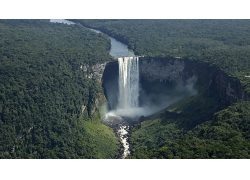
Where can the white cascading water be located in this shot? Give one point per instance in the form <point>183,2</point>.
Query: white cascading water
<point>128,100</point>
<point>128,82</point>
<point>128,93</point>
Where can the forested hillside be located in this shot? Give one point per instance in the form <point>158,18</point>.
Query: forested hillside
<point>200,126</point>
<point>46,99</point>
<point>221,43</point>
<point>225,136</point>
<point>43,90</point>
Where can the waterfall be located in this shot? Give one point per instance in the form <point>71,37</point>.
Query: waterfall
<point>128,100</point>
<point>128,82</point>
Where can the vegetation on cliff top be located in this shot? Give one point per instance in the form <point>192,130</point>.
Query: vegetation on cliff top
<point>221,43</point>
<point>189,128</point>
<point>43,90</point>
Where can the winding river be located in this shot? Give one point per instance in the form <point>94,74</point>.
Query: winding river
<point>118,49</point>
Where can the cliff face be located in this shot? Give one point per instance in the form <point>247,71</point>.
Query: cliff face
<point>179,71</point>
<point>231,88</point>
<point>161,70</point>
<point>94,70</point>
<point>174,71</point>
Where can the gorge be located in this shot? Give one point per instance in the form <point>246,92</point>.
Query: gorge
<point>163,81</point>
<point>68,91</point>
<point>166,81</point>
<point>128,99</point>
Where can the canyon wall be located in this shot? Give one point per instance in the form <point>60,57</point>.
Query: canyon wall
<point>178,70</point>
<point>94,71</point>
<point>174,71</point>
<point>162,70</point>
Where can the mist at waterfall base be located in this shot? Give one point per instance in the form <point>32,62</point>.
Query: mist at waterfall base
<point>128,101</point>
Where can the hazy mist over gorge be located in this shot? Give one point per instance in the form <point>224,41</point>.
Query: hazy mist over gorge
<point>149,102</point>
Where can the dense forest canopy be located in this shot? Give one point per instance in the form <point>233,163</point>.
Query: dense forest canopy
<point>225,136</point>
<point>199,126</point>
<point>221,43</point>
<point>46,99</point>
<point>43,91</point>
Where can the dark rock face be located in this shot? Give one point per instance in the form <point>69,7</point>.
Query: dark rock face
<point>180,70</point>
<point>231,88</point>
<point>162,70</point>
<point>165,73</point>
<point>226,87</point>
<point>174,71</point>
<point>110,83</point>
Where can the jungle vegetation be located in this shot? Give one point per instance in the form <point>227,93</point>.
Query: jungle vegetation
<point>201,126</point>
<point>45,97</point>
<point>221,43</point>
<point>43,89</point>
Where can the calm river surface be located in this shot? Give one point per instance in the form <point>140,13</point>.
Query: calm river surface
<point>117,50</point>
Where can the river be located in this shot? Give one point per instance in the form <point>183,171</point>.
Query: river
<point>118,49</point>
<point>120,125</point>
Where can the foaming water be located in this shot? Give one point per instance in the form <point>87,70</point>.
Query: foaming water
<point>134,113</point>
<point>123,132</point>
<point>128,82</point>
<point>128,111</point>
<point>128,101</point>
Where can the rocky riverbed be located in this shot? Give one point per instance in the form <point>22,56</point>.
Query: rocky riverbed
<point>122,129</point>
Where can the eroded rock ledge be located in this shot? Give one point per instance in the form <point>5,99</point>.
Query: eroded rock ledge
<point>177,70</point>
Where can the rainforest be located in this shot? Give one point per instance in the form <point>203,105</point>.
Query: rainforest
<point>181,89</point>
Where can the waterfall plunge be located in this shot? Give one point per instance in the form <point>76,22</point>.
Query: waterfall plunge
<point>128,96</point>
<point>128,83</point>
<point>128,100</point>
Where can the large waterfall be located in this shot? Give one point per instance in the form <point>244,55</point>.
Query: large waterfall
<point>128,82</point>
<point>128,100</point>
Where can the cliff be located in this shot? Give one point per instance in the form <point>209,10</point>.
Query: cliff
<point>92,72</point>
<point>178,70</point>
<point>161,73</point>
<point>161,70</point>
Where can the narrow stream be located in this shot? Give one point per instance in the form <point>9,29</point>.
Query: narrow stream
<point>118,49</point>
<point>123,132</point>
